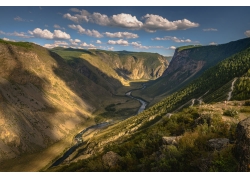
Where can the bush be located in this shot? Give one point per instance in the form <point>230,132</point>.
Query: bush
<point>231,113</point>
<point>247,103</point>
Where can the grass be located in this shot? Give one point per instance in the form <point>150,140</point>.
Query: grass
<point>20,44</point>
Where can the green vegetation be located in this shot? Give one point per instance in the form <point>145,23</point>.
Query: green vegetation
<point>231,113</point>
<point>191,59</point>
<point>21,44</point>
<point>146,151</point>
<point>187,47</point>
<point>242,87</point>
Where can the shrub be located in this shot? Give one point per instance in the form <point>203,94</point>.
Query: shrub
<point>231,113</point>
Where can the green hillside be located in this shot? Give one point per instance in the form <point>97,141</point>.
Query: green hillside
<point>138,140</point>
<point>188,64</point>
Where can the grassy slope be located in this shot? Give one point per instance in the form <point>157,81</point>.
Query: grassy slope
<point>43,100</point>
<point>211,55</point>
<point>212,80</point>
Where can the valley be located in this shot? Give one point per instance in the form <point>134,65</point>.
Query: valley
<point>68,109</point>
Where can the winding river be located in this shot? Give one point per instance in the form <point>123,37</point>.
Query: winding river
<point>78,138</point>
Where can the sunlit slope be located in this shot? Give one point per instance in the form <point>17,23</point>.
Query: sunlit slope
<point>207,85</point>
<point>112,70</point>
<point>42,98</point>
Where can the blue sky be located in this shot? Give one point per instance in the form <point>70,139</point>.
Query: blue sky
<point>151,29</point>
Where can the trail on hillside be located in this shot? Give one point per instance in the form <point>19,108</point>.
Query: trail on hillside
<point>232,88</point>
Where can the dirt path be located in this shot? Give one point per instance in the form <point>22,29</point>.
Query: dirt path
<point>232,88</point>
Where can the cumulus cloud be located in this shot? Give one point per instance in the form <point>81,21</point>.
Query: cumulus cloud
<point>247,33</point>
<point>7,39</point>
<point>210,29</point>
<point>126,21</point>
<point>172,47</point>
<point>175,39</point>
<point>56,44</point>
<point>119,42</point>
<point>88,32</point>
<point>74,10</point>
<point>126,35</point>
<point>89,46</point>
<point>18,34</point>
<point>74,41</point>
<point>139,46</point>
<point>213,43</point>
<point>151,22</point>
<point>156,22</point>
<point>72,18</point>
<point>98,42</point>
<point>58,27</point>
<point>46,34</point>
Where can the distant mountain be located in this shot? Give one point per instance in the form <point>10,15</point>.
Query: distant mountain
<point>189,62</point>
<point>123,66</point>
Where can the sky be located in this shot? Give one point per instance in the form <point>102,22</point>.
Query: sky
<point>159,29</point>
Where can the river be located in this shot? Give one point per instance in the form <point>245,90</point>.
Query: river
<point>78,138</point>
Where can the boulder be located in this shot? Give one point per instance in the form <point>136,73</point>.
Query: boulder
<point>218,143</point>
<point>242,146</point>
<point>171,140</point>
<point>111,160</point>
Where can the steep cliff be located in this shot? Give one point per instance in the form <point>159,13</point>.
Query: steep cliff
<point>190,62</point>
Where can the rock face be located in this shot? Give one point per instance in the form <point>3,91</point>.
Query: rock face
<point>242,147</point>
<point>111,160</point>
<point>218,143</point>
<point>172,140</point>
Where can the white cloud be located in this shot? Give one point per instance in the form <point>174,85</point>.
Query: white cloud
<point>151,22</point>
<point>88,32</point>
<point>72,18</point>
<point>126,21</point>
<point>7,39</point>
<point>18,18</point>
<point>58,27</point>
<point>139,46</point>
<point>57,44</point>
<point>119,42</point>
<point>213,43</point>
<point>172,47</point>
<point>74,41</point>
<point>58,34</point>
<point>89,46</point>
<point>74,10</point>
<point>175,39</point>
<point>210,29</point>
<point>156,22</point>
<point>61,43</point>
<point>98,42</point>
<point>247,33</point>
<point>46,34</point>
<point>111,48</point>
<point>18,34</point>
<point>126,35</point>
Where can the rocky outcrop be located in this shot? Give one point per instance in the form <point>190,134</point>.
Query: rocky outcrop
<point>242,146</point>
<point>111,160</point>
<point>218,143</point>
<point>172,140</point>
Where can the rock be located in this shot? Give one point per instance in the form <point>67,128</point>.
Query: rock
<point>218,143</point>
<point>172,140</point>
<point>242,147</point>
<point>111,160</point>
